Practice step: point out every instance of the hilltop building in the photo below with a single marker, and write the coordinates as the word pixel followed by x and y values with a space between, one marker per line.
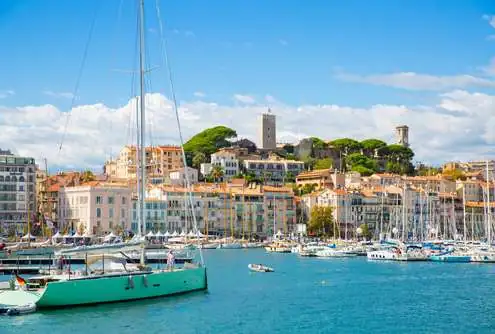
pixel 402 135
pixel 268 140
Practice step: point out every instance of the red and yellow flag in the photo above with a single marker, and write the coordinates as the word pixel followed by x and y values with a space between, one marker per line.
pixel 21 281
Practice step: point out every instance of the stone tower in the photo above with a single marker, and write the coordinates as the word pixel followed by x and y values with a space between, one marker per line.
pixel 268 138
pixel 402 135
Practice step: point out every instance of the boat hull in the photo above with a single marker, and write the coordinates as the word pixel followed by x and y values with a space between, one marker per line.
pixel 122 288
pixel 450 258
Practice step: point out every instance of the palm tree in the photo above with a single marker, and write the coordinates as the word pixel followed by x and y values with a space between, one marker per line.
pixel 87 176
pixel 217 173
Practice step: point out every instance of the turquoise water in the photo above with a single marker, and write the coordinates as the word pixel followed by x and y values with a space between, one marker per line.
pixel 304 295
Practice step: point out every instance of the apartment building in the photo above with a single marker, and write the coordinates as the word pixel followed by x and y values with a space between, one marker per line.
pixel 95 208
pixel 17 190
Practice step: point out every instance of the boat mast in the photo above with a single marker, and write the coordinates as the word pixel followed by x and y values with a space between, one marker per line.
pixel 464 211
pixel 489 209
pixel 142 117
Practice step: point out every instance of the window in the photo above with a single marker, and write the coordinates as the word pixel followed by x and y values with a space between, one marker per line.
pixel 122 213
pixel 124 200
pixel 110 213
pixel 98 212
pixel 111 199
pixel 110 224
pixel 99 200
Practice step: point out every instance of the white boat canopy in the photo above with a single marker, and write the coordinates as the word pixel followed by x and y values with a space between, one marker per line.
pixel 182 234
pixel 159 234
pixel 174 234
pixel 199 234
pixel 77 235
pixel 28 236
pixel 57 236
pixel 109 237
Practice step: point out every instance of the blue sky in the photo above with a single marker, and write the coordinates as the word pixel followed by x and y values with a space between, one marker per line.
pixel 289 49
pixel 330 68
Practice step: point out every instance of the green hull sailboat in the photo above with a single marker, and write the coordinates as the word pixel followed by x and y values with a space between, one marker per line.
pixel 127 282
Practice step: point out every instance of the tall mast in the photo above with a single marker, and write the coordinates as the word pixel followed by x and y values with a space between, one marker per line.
pixel 489 209
pixel 142 117
pixel 464 211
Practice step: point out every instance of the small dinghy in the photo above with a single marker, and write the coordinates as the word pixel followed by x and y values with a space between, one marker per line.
pixel 260 268
pixel 22 309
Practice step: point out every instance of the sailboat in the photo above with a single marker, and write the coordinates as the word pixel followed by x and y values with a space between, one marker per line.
pixel 118 281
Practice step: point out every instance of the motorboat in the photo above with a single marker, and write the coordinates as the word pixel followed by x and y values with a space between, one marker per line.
pixel 260 268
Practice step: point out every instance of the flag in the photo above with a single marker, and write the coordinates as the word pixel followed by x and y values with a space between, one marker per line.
pixel 21 281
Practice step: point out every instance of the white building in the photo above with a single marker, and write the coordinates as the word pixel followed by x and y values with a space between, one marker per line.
pixel 97 208
pixel 178 176
pixel 227 161
pixel 273 170
pixel 205 169
pixel 17 189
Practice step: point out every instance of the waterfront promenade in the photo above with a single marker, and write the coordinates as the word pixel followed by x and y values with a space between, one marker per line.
pixel 303 295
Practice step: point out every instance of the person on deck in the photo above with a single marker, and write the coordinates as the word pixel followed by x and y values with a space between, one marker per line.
pixel 170 260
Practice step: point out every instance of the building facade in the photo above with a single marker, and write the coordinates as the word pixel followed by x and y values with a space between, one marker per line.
pixel 95 208
pixel 273 170
pixel 17 190
pixel 160 160
pixel 178 177
pixel 227 161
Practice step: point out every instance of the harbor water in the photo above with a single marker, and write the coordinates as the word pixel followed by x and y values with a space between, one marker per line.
pixel 303 295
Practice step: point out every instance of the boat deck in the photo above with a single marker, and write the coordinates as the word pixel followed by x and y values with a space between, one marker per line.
pixel 9 298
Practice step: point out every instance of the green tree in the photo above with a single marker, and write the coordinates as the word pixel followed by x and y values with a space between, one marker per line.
pixel 290 178
pixel 309 162
pixel 308 188
pixel 198 159
pixel 290 156
pixel 321 221
pixel 216 173
pixel 346 145
pixel 399 153
pixel 318 143
pixel 289 148
pixel 358 159
pixel 455 174
pixel 326 163
pixel 87 176
pixel 373 144
pixel 210 140
pixel 365 231
pixel 363 171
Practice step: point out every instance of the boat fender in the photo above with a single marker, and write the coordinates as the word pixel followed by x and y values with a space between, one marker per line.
pixel 145 280
pixel 130 282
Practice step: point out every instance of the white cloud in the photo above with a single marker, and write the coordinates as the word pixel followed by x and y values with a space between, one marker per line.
pixel 417 81
pixel 490 19
pixel 283 42
pixel 65 95
pixel 246 99
pixel 199 94
pixel 6 93
pixel 459 126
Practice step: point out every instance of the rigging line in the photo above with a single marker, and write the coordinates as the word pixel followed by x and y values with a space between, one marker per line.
pixel 130 128
pixel 78 79
pixel 164 51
